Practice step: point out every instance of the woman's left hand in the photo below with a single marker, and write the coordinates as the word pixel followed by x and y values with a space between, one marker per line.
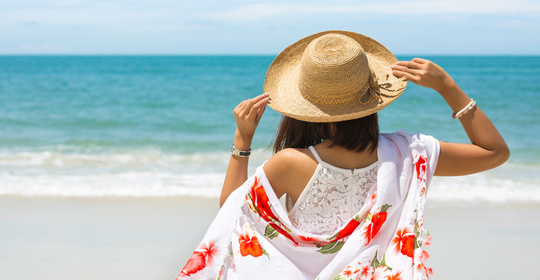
pixel 487 149
pixel 423 73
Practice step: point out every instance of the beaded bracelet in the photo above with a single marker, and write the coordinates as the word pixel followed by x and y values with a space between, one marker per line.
pixel 465 110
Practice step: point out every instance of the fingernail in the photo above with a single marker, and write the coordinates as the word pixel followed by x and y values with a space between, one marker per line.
pixel 267 93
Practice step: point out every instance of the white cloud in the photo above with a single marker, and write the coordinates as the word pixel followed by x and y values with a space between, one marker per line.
pixel 66 2
pixel 76 16
pixel 89 13
pixel 178 15
pixel 262 11
pixel 260 26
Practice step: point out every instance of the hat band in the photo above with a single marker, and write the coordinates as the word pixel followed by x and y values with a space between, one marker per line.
pixel 359 96
pixel 372 88
pixel 387 84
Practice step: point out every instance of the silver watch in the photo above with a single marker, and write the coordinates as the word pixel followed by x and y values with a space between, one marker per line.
pixel 240 153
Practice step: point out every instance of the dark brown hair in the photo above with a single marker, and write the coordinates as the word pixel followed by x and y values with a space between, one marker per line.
pixel 355 135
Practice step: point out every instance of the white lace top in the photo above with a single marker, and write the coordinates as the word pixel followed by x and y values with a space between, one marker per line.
pixel 331 198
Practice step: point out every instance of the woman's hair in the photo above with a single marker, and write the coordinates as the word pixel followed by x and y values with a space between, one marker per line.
pixel 355 135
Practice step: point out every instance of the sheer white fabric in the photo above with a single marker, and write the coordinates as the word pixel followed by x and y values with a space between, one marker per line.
pixel 252 233
pixel 331 198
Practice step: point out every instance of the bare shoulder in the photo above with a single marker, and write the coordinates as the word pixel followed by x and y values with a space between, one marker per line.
pixel 281 163
pixel 290 154
pixel 287 170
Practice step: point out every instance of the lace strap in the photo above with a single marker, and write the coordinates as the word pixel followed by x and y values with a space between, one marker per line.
pixel 317 157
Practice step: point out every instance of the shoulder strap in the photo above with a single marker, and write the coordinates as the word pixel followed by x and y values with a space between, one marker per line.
pixel 312 149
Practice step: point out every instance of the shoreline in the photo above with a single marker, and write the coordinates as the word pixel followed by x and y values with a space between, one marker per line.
pixel 152 238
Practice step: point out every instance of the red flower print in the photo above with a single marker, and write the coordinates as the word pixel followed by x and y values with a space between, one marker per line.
pixel 380 273
pixel 421 168
pixel 396 276
pixel 283 232
pixel 306 238
pixel 418 267
pixel 373 198
pixel 366 270
pixel 374 225
pixel 424 255
pixel 428 271
pixel 196 263
pixel 404 242
pixel 249 245
pixel 261 205
pixel 203 256
pixel 347 230
pixel 209 250
pixel 261 201
pixel 427 242
pixel 347 272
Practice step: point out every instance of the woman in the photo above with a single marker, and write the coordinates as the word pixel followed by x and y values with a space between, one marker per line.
pixel 355 198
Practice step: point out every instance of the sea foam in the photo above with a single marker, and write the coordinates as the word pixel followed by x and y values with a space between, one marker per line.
pixel 139 173
pixel 153 173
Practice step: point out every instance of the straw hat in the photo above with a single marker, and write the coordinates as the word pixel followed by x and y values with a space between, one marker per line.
pixel 332 76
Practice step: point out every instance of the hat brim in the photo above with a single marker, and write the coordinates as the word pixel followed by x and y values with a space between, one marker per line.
pixel 285 97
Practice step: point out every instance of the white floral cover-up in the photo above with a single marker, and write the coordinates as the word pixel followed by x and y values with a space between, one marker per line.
pixel 253 238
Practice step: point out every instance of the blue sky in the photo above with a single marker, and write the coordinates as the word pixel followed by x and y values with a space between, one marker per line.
pixel 264 27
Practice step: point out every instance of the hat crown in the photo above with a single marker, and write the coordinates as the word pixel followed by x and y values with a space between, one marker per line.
pixel 334 70
pixel 332 76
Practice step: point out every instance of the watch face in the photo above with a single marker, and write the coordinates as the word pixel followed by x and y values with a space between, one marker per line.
pixel 240 153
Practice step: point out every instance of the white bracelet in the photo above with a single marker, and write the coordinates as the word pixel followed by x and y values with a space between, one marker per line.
pixel 465 110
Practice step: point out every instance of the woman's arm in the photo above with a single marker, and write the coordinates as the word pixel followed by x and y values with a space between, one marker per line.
pixel 487 149
pixel 247 115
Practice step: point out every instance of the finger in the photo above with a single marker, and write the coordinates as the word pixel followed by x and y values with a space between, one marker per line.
pixel 408 76
pixel 405 69
pixel 254 112
pixel 242 110
pixel 261 111
pixel 259 98
pixel 251 102
pixel 409 64
pixel 240 107
pixel 419 60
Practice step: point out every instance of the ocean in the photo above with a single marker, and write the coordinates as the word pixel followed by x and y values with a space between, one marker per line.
pixel 161 126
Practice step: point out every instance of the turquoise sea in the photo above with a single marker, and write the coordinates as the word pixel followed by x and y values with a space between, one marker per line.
pixel 153 126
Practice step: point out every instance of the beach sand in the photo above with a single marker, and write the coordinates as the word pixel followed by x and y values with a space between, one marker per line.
pixel 152 238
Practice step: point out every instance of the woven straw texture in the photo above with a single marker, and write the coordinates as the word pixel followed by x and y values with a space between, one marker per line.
pixel 332 76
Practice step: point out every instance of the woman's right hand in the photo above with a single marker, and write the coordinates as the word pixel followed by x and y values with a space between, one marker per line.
pixel 247 115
